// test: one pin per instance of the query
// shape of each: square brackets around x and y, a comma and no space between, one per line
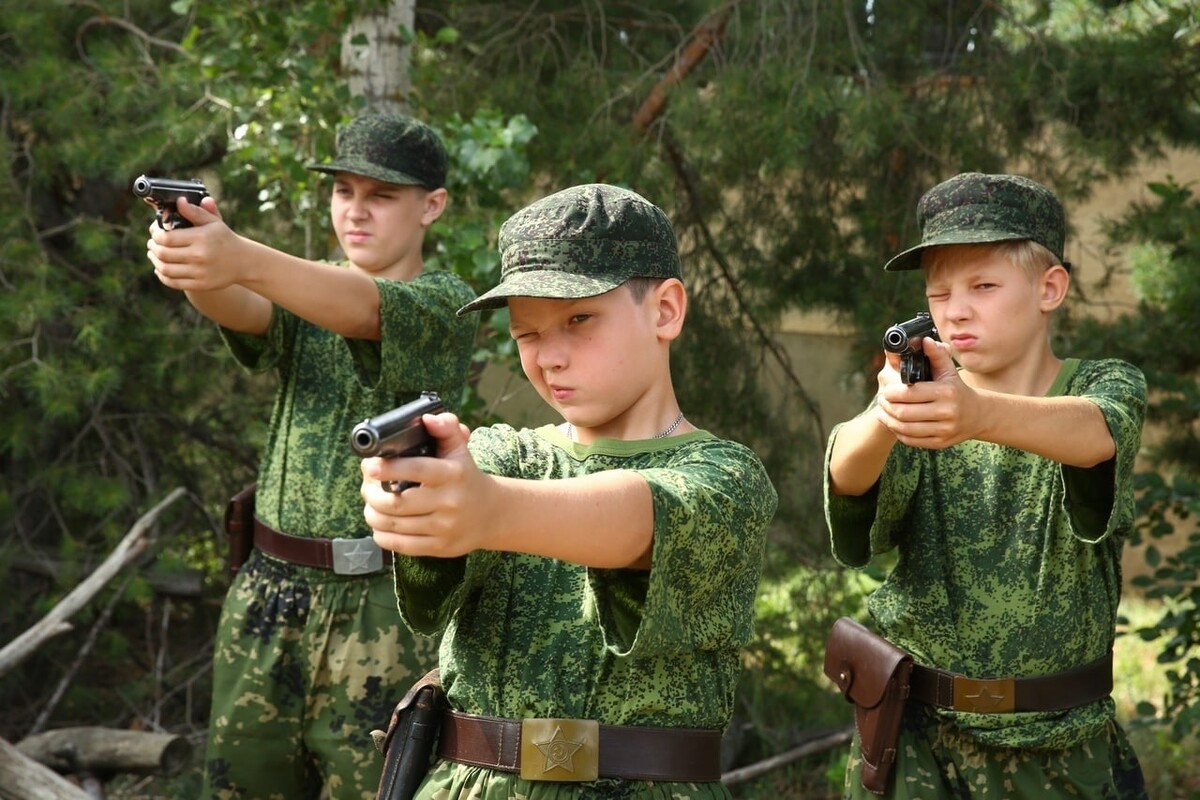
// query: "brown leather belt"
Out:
[343,556]
[1057,692]
[580,750]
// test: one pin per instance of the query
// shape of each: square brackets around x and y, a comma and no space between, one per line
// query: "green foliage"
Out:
[790,158]
[1163,338]
[115,390]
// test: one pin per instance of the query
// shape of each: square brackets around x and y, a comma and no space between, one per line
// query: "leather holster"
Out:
[873,674]
[408,743]
[239,525]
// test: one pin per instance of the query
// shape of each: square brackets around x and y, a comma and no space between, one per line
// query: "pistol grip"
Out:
[176,219]
[396,487]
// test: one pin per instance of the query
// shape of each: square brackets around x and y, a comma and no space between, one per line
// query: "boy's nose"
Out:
[551,355]
[958,307]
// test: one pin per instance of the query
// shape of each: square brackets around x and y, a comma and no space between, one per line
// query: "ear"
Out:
[1052,289]
[670,301]
[435,204]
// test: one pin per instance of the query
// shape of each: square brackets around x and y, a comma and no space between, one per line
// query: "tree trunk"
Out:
[108,750]
[376,53]
[22,778]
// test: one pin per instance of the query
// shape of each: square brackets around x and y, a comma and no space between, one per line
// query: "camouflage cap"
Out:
[973,208]
[581,242]
[392,148]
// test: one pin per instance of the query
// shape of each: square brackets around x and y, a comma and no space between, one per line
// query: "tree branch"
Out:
[707,34]
[55,622]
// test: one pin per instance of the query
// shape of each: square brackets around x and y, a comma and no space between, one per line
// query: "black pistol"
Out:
[904,339]
[399,432]
[161,193]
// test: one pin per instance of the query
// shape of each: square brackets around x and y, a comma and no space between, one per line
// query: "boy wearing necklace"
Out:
[594,580]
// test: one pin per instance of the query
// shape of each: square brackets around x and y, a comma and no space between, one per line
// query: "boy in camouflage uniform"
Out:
[311,651]
[595,579]
[1004,485]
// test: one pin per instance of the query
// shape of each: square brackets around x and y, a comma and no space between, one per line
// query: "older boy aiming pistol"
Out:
[311,652]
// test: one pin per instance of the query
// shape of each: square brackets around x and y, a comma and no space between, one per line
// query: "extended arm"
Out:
[859,454]
[234,280]
[1069,430]
[943,412]
[600,520]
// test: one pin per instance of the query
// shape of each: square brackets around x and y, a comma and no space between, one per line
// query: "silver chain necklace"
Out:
[664,434]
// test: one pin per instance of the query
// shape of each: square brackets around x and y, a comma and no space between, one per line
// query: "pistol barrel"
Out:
[144,186]
[899,337]
[396,431]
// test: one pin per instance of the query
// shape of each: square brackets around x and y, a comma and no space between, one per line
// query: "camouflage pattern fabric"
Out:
[393,148]
[940,761]
[309,478]
[581,242]
[535,637]
[306,662]
[973,208]
[450,781]
[1009,564]
[303,656]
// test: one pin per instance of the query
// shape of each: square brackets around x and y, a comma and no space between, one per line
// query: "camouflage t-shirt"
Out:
[527,636]
[1007,563]
[309,478]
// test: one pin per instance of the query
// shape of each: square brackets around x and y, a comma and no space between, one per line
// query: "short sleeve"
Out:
[1099,500]
[863,526]
[424,345]
[431,590]
[712,506]
[261,353]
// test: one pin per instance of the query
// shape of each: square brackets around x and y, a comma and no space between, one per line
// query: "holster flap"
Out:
[431,680]
[861,662]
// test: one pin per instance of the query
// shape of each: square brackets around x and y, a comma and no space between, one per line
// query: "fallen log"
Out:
[106,751]
[22,778]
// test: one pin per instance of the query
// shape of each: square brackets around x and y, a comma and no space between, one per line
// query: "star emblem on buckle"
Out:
[984,701]
[356,556]
[989,696]
[359,557]
[559,751]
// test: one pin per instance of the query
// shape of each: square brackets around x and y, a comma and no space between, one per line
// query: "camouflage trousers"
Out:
[306,662]
[448,780]
[936,760]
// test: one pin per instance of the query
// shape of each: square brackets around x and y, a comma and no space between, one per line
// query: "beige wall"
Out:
[823,358]
[1086,247]
[840,385]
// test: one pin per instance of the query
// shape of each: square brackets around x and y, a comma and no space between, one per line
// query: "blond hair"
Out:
[1030,257]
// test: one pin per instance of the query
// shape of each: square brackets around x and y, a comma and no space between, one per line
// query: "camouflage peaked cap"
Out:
[973,208]
[392,148]
[581,242]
